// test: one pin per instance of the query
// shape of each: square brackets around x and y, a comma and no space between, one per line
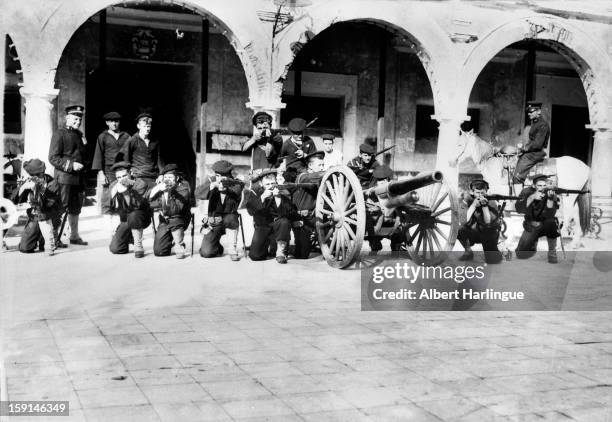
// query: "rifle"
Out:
[192,231]
[382,151]
[59,236]
[495,197]
[561,191]
[244,246]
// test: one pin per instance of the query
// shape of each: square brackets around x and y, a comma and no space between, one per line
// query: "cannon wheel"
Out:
[432,224]
[341,217]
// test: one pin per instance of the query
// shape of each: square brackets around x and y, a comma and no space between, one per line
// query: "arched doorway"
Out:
[161,58]
[533,70]
[365,82]
[13,118]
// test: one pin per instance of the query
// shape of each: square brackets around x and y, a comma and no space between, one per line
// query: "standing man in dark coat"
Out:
[129,199]
[539,203]
[108,145]
[482,225]
[272,213]
[295,149]
[305,200]
[265,144]
[173,198]
[142,152]
[364,165]
[535,150]
[224,194]
[67,154]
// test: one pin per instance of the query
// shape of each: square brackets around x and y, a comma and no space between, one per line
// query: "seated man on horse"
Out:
[535,150]
[482,225]
[539,203]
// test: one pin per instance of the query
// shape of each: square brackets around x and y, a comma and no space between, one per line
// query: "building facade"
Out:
[395,72]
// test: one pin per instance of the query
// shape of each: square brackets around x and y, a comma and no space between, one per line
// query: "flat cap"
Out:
[222,167]
[367,149]
[539,176]
[34,166]
[261,116]
[143,116]
[266,172]
[533,105]
[382,172]
[297,125]
[121,165]
[77,110]
[169,168]
[479,184]
[328,136]
[113,115]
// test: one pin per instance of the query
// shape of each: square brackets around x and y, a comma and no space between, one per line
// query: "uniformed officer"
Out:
[43,194]
[364,165]
[129,199]
[265,144]
[142,152]
[333,157]
[108,145]
[482,224]
[295,149]
[535,150]
[223,193]
[67,153]
[539,203]
[272,213]
[378,216]
[172,197]
[305,200]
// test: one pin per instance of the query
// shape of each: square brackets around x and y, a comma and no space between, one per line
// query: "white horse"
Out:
[571,174]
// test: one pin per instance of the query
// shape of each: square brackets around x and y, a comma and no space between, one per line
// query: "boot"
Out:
[179,250]
[232,236]
[280,251]
[138,249]
[468,255]
[75,239]
[552,250]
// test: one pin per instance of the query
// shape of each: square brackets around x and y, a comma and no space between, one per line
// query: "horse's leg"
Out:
[571,218]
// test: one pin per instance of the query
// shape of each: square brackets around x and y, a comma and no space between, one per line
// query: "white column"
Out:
[38,123]
[448,132]
[601,170]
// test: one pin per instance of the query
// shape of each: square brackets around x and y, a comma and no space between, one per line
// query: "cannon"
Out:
[427,207]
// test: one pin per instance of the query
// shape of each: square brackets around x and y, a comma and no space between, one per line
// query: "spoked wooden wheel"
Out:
[432,223]
[340,216]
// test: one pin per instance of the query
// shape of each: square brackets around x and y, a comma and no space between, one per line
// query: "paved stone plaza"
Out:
[195,340]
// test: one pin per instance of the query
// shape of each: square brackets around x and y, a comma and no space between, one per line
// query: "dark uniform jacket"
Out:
[259,160]
[364,174]
[288,151]
[264,213]
[45,203]
[107,148]
[177,204]
[537,210]
[145,160]
[305,198]
[135,198]
[477,220]
[67,147]
[539,133]
[233,195]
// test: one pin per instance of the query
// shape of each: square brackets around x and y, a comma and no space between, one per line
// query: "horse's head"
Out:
[463,141]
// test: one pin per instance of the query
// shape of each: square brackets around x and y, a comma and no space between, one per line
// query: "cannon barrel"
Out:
[401,187]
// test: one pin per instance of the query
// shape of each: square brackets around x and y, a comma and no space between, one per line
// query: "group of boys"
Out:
[281,197]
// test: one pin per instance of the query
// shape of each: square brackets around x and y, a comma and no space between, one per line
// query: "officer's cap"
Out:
[77,110]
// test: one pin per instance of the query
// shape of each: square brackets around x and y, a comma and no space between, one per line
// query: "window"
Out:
[328,110]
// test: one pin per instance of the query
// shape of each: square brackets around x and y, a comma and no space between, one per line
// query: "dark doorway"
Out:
[568,134]
[131,88]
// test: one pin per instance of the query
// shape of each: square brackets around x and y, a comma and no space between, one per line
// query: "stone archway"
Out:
[591,62]
[430,43]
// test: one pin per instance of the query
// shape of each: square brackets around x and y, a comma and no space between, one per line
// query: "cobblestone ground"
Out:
[195,340]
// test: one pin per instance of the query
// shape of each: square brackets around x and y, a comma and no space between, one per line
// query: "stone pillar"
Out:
[448,132]
[38,123]
[601,170]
